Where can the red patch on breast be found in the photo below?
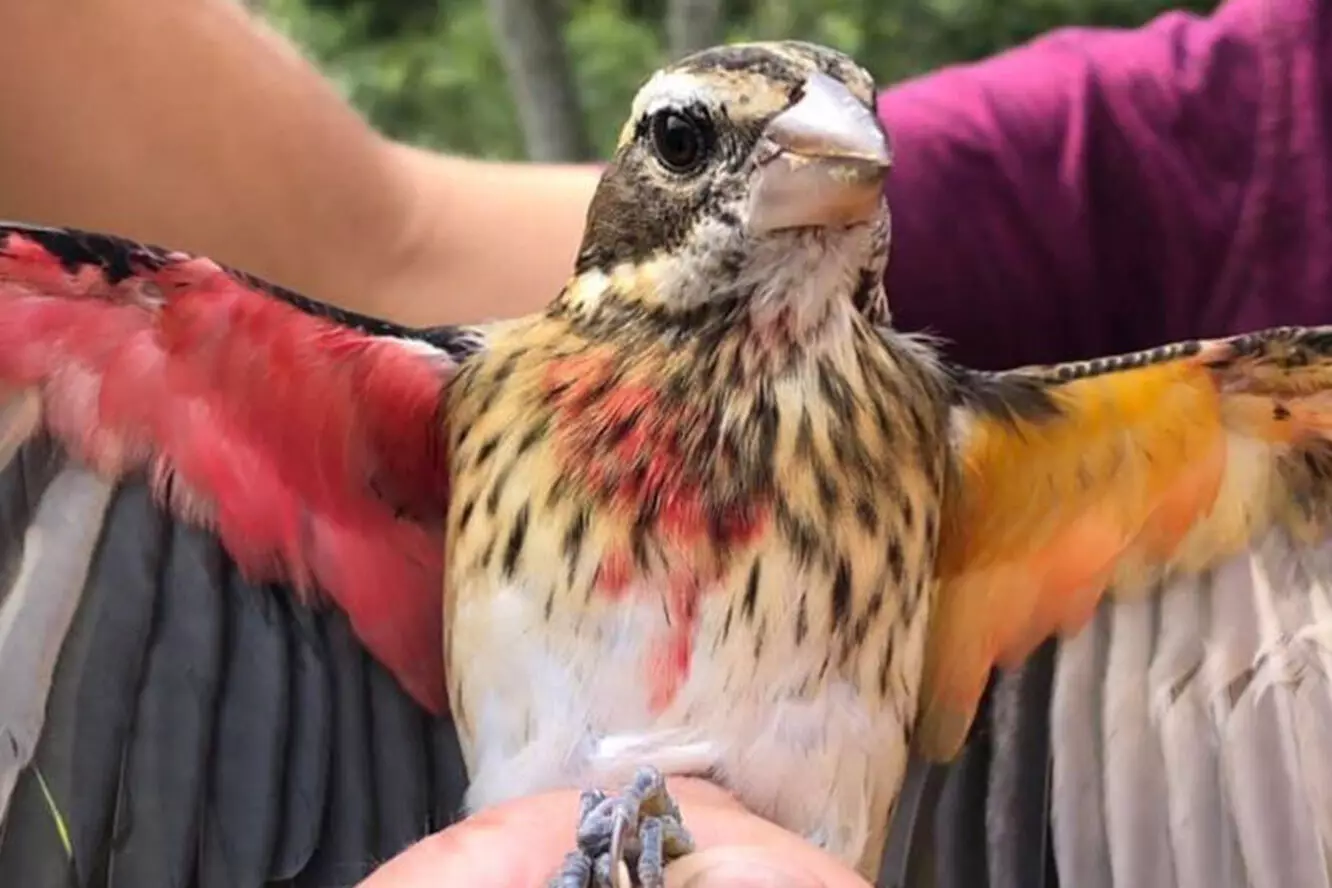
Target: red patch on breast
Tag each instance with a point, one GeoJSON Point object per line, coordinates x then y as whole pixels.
{"type": "Point", "coordinates": [624, 438]}
{"type": "Point", "coordinates": [668, 657]}
{"type": "Point", "coordinates": [613, 577]}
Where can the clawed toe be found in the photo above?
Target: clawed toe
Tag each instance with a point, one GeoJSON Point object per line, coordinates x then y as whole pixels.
{"type": "Point", "coordinates": [626, 841]}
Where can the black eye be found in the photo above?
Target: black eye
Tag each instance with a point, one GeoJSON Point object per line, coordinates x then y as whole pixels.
{"type": "Point", "coordinates": [679, 140]}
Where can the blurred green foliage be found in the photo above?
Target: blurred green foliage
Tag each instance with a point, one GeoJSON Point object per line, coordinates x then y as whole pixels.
{"type": "Point", "coordinates": [428, 72]}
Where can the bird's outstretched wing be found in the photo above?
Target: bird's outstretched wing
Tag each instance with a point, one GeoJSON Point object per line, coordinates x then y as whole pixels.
{"type": "Point", "coordinates": [220, 570]}
{"type": "Point", "coordinates": [1168, 514]}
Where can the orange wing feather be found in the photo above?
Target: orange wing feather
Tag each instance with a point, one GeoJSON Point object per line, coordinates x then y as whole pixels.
{"type": "Point", "coordinates": [1169, 465]}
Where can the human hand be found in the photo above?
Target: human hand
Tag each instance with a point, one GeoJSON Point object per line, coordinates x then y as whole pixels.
{"type": "Point", "coordinates": [520, 844]}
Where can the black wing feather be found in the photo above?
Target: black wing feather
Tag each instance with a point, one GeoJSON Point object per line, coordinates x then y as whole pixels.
{"type": "Point", "coordinates": [959, 821]}
{"type": "Point", "coordinates": [309, 745]}
{"type": "Point", "coordinates": [243, 810]}
{"type": "Point", "coordinates": [985, 823]}
{"type": "Point", "coordinates": [163, 791]}
{"type": "Point", "coordinates": [399, 749]}
{"type": "Point", "coordinates": [1018, 792]}
{"type": "Point", "coordinates": [345, 854]}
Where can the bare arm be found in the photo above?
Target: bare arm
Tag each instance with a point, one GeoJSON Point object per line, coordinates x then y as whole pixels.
{"type": "Point", "coordinates": [187, 123]}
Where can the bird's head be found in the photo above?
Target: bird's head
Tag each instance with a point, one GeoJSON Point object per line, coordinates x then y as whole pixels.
{"type": "Point", "coordinates": [748, 182]}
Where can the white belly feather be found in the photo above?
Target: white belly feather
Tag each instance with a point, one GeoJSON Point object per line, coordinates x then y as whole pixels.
{"type": "Point", "coordinates": [549, 712]}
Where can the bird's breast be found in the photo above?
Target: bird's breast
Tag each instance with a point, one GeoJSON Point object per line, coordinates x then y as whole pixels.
{"type": "Point", "coordinates": [723, 580]}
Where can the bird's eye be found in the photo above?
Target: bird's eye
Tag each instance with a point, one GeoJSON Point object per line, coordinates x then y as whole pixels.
{"type": "Point", "coordinates": [679, 141]}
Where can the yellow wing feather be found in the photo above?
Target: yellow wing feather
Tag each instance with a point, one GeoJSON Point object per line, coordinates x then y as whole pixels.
{"type": "Point", "coordinates": [1169, 465]}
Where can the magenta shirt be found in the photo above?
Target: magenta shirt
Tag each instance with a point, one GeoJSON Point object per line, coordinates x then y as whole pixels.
{"type": "Point", "coordinates": [1097, 191]}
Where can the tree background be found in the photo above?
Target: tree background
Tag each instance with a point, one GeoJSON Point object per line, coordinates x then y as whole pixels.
{"type": "Point", "coordinates": [552, 79]}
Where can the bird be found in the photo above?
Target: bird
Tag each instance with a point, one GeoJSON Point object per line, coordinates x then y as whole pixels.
{"type": "Point", "coordinates": [708, 513]}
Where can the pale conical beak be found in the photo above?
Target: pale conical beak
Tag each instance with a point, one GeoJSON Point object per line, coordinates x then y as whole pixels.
{"type": "Point", "coordinates": [822, 162]}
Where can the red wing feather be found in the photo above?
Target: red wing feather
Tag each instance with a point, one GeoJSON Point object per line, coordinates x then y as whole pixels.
{"type": "Point", "coordinates": [312, 448]}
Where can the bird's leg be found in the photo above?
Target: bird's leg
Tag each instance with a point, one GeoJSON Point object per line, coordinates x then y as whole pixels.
{"type": "Point", "coordinates": [626, 841]}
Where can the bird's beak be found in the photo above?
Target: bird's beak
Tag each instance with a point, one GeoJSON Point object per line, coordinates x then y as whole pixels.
{"type": "Point", "coordinates": [822, 162]}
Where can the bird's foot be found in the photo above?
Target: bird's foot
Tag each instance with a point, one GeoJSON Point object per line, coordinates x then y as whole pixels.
{"type": "Point", "coordinates": [626, 841]}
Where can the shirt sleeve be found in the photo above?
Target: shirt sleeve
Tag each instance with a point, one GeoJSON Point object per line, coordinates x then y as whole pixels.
{"type": "Point", "coordinates": [1075, 196]}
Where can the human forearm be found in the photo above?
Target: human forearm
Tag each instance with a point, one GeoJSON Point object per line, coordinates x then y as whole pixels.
{"type": "Point", "coordinates": [186, 123]}
{"type": "Point", "coordinates": [486, 239]}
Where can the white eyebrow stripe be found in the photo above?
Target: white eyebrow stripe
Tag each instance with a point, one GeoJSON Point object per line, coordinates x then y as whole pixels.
{"type": "Point", "coordinates": [676, 89]}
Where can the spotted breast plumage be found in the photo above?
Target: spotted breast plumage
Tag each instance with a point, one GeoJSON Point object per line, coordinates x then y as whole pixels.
{"type": "Point", "coordinates": [706, 514]}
